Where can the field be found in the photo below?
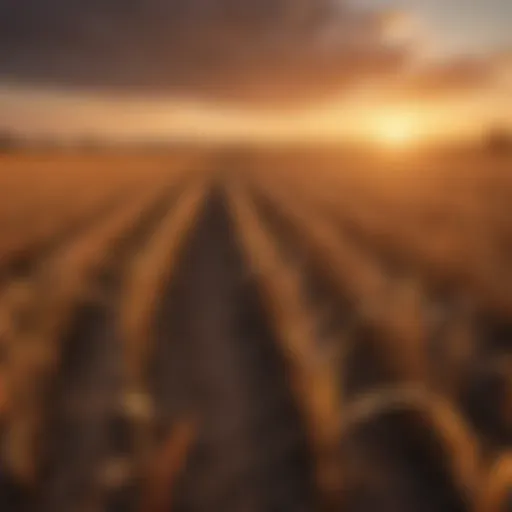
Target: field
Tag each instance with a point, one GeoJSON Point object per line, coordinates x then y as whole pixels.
{"type": "Point", "coordinates": [255, 331]}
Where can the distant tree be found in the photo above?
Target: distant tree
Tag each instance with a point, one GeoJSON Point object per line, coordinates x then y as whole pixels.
{"type": "Point", "coordinates": [499, 140]}
{"type": "Point", "coordinates": [8, 141]}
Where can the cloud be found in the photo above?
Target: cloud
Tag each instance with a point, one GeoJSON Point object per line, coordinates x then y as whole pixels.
{"type": "Point", "coordinates": [273, 51]}
{"type": "Point", "coordinates": [453, 76]}
{"type": "Point", "coordinates": [448, 78]}
{"type": "Point", "coordinates": [399, 25]}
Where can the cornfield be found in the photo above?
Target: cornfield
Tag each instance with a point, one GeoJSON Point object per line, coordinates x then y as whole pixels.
{"type": "Point", "coordinates": [258, 331]}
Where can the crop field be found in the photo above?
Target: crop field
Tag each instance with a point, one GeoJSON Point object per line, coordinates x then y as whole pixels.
{"type": "Point", "coordinates": [255, 331]}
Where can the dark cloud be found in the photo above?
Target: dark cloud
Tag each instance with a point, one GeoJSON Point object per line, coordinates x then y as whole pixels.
{"type": "Point", "coordinates": [270, 50]}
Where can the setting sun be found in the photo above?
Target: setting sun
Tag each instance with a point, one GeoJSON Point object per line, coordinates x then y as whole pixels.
{"type": "Point", "coordinates": [396, 132]}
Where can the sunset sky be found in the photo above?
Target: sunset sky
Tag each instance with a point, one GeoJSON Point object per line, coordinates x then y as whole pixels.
{"type": "Point", "coordinates": [432, 69]}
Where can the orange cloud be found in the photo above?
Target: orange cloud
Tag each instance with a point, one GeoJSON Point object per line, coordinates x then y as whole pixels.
{"type": "Point", "coordinates": [399, 25]}
{"type": "Point", "coordinates": [447, 79]}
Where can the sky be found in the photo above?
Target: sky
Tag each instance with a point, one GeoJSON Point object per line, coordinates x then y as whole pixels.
{"type": "Point", "coordinates": [274, 69]}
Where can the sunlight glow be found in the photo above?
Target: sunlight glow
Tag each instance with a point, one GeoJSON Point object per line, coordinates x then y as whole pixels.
{"type": "Point", "coordinates": [396, 132]}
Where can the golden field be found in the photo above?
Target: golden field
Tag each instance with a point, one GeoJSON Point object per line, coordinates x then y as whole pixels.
{"type": "Point", "coordinates": [256, 329]}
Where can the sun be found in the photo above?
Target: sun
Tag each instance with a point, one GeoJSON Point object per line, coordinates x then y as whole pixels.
{"type": "Point", "coordinates": [396, 132]}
